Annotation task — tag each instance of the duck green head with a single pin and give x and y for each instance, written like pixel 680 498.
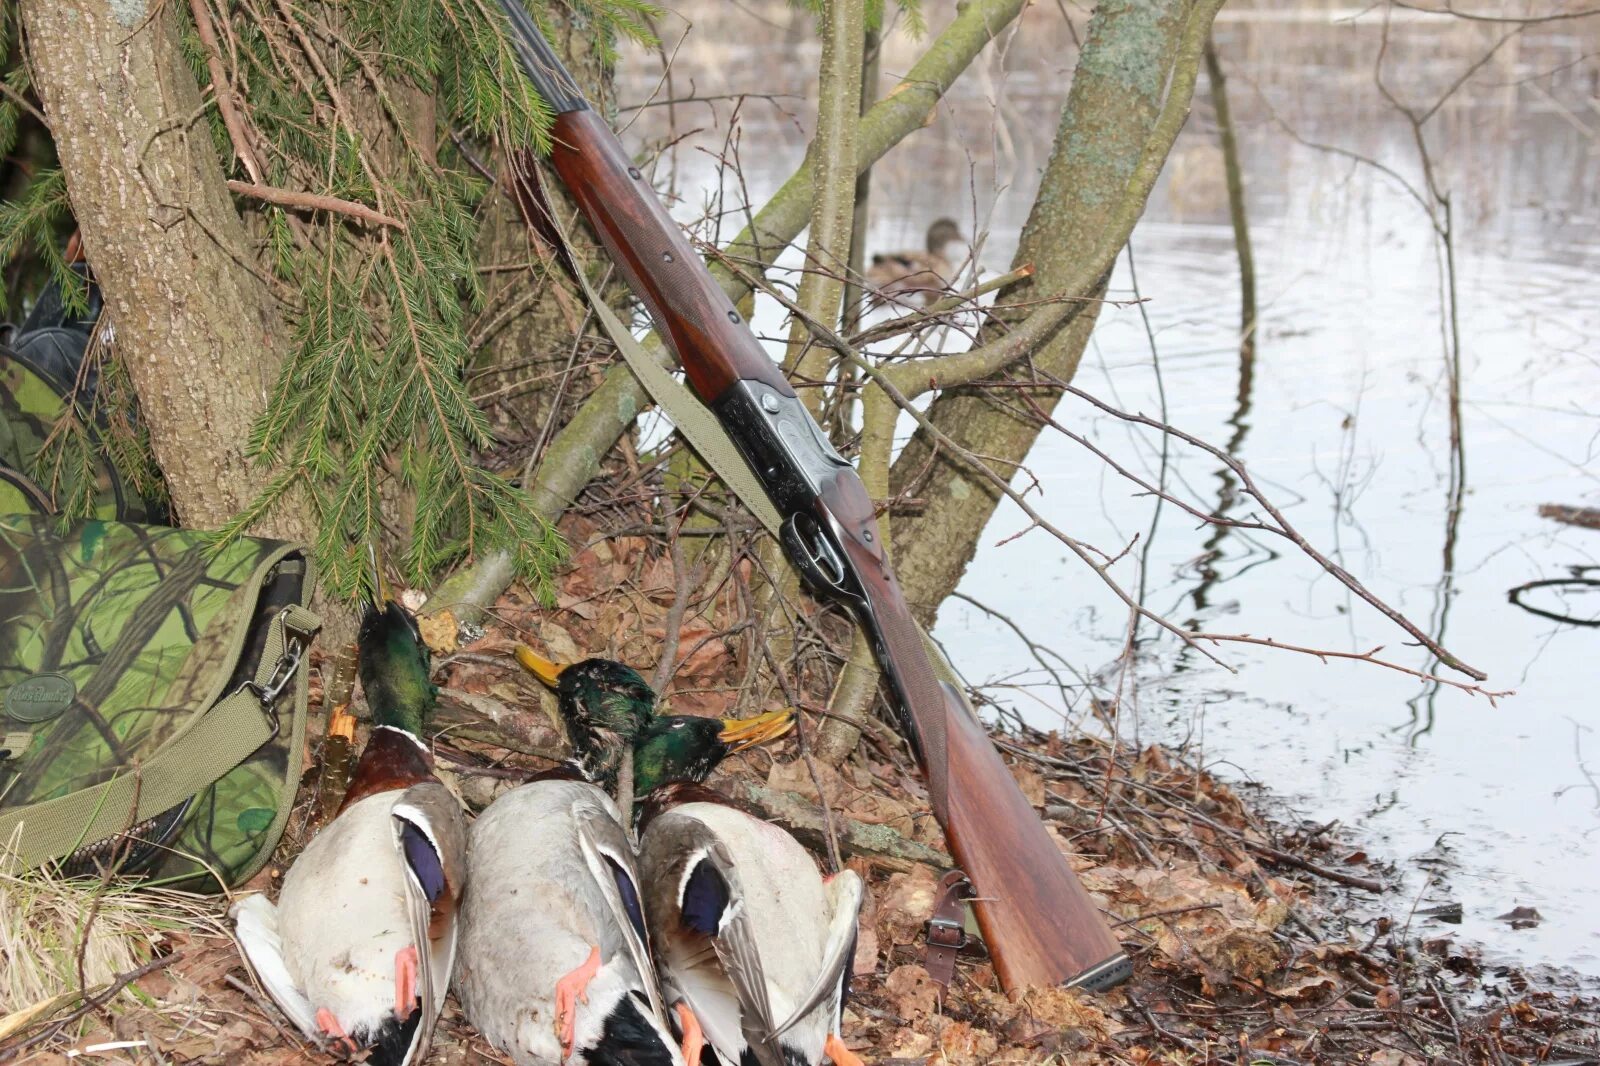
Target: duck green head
pixel 394 662
pixel 604 704
pixel 685 747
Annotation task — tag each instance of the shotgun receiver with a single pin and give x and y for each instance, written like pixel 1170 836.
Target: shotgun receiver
pixel 1039 924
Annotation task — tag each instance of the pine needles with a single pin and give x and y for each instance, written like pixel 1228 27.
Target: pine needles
pixel 370 418
pixel 364 101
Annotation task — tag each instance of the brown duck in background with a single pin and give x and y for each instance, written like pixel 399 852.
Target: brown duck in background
pixel 925 273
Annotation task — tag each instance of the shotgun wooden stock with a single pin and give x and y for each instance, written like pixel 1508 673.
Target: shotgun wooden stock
pixel 1038 922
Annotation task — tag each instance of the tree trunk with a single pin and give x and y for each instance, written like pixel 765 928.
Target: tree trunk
pixel 195 326
pixel 531 312
pixel 575 453
pixel 1116 94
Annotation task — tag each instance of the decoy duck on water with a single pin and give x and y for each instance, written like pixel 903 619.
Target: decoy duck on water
pixel 555 962
pixel 607 705
pixel 359 948
pixel 753 946
pixel 922 273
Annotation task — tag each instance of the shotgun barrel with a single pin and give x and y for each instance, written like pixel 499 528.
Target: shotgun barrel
pixel 1037 920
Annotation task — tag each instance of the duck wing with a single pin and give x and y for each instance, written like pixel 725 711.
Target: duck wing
pixel 255 926
pixel 837 954
pixel 609 855
pixel 430 835
pixel 711 948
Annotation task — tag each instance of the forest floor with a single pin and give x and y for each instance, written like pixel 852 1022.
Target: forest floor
pixel 1254 940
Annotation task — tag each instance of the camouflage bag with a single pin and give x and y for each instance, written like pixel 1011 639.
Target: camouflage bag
pixel 153 689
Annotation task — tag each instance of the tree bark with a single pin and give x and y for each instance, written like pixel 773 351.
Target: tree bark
pixel 531 314
pixel 1111 109
pixel 833 162
pixel 576 451
pixel 195 326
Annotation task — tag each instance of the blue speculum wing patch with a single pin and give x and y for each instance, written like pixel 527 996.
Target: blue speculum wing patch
pixel 705 898
pixel 630 895
pixel 423 860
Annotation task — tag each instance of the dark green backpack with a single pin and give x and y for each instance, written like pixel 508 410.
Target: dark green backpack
pixel 154 696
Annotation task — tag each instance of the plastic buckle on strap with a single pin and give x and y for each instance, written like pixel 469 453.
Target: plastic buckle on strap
pixel 296 640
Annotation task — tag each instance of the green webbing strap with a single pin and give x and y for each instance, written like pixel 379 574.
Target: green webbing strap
pixel 214 742
pixel 697 424
pixel 704 433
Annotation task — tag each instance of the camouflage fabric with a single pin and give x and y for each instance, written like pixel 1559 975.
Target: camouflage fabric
pixel 18 495
pixel 114 638
pixel 32 398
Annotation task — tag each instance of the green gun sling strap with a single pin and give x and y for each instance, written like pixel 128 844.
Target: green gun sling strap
pixel 213 743
pixel 704 433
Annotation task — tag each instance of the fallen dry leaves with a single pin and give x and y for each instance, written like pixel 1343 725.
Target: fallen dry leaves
pixel 1240 956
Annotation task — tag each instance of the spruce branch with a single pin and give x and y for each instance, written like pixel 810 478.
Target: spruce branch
pixel 314 202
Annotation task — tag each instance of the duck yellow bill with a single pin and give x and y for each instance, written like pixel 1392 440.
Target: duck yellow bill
pixel 538 666
pixel 742 733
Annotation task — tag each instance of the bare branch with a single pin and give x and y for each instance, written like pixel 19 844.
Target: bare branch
pixel 222 88
pixel 315 202
pixel 1470 16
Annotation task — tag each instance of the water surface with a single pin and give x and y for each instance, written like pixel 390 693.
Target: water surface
pixel 1342 416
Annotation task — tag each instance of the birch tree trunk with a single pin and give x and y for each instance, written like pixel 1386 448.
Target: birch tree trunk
pixel 195 325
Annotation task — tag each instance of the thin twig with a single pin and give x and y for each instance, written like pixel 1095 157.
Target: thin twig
pixel 222 88
pixel 92 1003
pixel 315 202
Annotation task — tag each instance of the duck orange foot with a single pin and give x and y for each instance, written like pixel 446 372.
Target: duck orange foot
pixel 693 1038
pixel 405 982
pixel 570 991
pixel 334 1031
pixel 841 1055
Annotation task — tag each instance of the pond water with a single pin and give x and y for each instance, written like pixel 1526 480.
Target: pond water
pixel 1342 416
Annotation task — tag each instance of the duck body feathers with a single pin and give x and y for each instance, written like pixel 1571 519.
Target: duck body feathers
pixel 380 880
pixel 922 273
pixel 553 881
pixel 747 932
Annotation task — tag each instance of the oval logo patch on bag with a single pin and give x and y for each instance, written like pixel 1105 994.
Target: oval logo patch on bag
pixel 39 698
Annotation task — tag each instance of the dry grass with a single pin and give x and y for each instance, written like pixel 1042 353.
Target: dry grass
pixel 59 936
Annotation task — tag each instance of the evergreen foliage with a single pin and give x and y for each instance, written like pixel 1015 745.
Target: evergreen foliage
pixel 388 104
pixel 31 224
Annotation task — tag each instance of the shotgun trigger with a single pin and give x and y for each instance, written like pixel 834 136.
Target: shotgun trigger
pixel 814 555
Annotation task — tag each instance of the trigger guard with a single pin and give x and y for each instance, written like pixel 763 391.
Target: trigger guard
pixel 816 559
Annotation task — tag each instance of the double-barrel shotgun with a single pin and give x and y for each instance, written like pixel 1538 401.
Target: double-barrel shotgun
pixel 1037 921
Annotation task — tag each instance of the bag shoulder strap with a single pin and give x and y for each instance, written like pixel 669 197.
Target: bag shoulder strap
pixel 188 763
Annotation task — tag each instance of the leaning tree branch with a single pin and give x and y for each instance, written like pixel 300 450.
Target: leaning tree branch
pixel 918 376
pixel 833 161
pixel 1102 565
pixel 574 454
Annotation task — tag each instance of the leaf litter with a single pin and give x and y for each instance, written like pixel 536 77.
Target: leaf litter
pixel 1254 942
